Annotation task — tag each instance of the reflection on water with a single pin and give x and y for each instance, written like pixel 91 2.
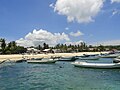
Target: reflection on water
pixel 58 76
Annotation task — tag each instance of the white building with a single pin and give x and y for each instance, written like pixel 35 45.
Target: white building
pixel 33 51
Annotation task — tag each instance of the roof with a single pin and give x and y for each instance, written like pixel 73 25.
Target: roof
pixel 45 50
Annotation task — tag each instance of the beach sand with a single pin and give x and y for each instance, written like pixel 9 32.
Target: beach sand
pixel 15 57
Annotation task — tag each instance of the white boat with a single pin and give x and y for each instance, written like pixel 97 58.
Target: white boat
pixel 89 57
pixel 116 60
pixel 20 60
pixel 110 55
pixel 97 65
pixel 36 58
pixel 118 57
pixel 67 58
pixel 43 61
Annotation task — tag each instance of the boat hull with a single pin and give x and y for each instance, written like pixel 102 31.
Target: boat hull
pixel 20 61
pixel 92 58
pixel 110 56
pixel 67 59
pixel 41 61
pixel 36 58
pixel 116 60
pixel 94 65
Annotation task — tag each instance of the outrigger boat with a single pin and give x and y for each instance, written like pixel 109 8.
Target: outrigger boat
pixel 97 65
pixel 36 58
pixel 88 57
pixel 110 55
pixel 67 58
pixel 21 60
pixel 43 61
pixel 116 60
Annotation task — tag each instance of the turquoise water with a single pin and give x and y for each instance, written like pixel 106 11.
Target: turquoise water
pixel 58 76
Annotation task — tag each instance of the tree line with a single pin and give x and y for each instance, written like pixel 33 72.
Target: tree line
pixel 82 47
pixel 11 47
pixel 64 47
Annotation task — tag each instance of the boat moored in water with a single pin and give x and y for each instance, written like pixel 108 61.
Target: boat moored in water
pixel 43 61
pixel 116 60
pixel 97 65
pixel 110 55
pixel 67 58
pixel 36 58
pixel 88 57
pixel 21 60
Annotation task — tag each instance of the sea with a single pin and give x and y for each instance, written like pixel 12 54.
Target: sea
pixel 58 76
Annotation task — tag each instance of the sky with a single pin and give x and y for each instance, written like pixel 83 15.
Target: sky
pixel 33 22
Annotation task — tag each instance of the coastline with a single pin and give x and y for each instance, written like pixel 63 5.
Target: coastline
pixel 15 57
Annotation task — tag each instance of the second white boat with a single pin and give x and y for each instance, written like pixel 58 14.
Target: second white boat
pixel 43 61
pixel 97 65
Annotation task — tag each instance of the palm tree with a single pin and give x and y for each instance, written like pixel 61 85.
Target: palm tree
pixel 45 46
pixel 3 45
pixel 12 46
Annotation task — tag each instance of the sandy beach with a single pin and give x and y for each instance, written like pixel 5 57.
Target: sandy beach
pixel 15 57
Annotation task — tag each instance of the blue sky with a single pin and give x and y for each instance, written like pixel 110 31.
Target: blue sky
pixel 18 19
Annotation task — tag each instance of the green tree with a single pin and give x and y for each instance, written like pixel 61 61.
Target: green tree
pixel 45 46
pixel 12 46
pixel 20 49
pixel 101 48
pixel 39 47
pixel 3 45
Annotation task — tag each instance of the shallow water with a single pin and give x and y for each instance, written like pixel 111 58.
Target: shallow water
pixel 58 76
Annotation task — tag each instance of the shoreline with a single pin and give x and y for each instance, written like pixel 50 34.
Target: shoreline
pixel 15 57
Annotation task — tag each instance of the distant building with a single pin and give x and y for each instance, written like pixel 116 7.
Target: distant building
pixel 56 50
pixel 33 51
pixel 48 51
pixel 107 49
pixel 91 49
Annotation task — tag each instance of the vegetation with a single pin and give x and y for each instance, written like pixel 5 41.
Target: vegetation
pixel 11 47
pixel 72 48
pixel 82 47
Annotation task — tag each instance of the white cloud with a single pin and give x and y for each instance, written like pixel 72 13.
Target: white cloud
pixel 82 11
pixel 24 42
pixel 115 11
pixel 51 5
pixel 113 1
pixel 74 43
pixel 66 28
pixel 78 33
pixel 39 37
pixel 109 42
